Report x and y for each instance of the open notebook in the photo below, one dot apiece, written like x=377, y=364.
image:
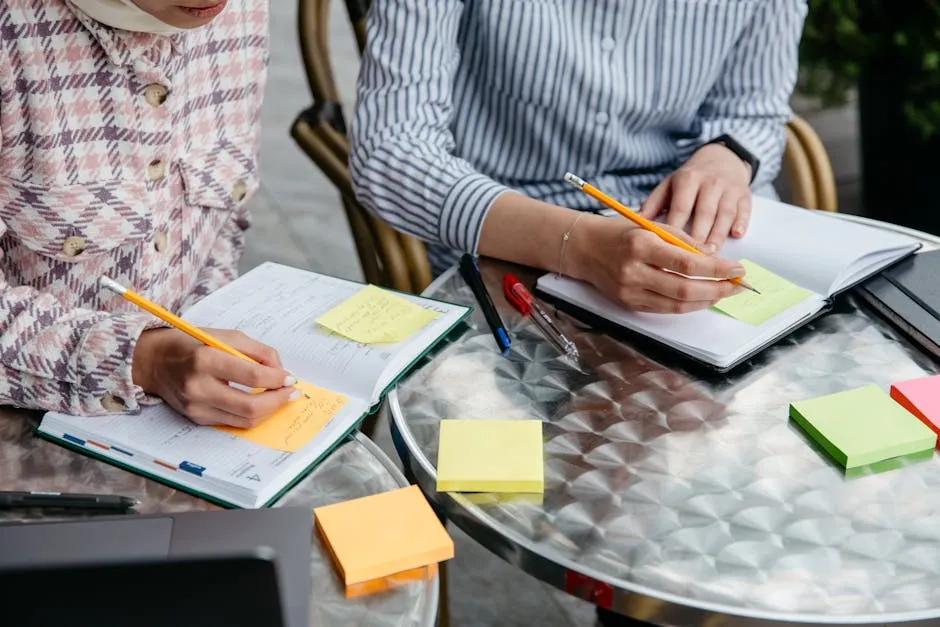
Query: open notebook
x=277, y=305
x=821, y=253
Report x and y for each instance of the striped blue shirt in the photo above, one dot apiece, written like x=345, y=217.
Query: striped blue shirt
x=459, y=101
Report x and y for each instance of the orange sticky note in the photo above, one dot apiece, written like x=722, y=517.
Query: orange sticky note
x=921, y=397
x=383, y=534
x=391, y=582
x=296, y=423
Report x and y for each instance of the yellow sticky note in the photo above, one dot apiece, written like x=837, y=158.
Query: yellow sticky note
x=776, y=295
x=376, y=316
x=383, y=534
x=490, y=456
x=296, y=423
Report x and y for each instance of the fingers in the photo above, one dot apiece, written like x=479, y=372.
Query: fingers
x=648, y=248
x=683, y=289
x=655, y=203
x=706, y=210
x=744, y=216
x=725, y=216
x=685, y=189
x=210, y=401
x=253, y=348
x=225, y=367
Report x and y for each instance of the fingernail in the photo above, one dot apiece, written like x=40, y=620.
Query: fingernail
x=709, y=248
x=289, y=380
x=738, y=230
x=295, y=395
x=736, y=272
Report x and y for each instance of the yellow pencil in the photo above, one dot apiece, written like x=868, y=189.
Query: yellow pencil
x=625, y=211
x=172, y=319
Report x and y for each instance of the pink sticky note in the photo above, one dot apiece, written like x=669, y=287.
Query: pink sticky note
x=921, y=397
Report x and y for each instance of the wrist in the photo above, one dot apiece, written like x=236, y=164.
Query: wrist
x=722, y=159
x=585, y=242
x=145, y=351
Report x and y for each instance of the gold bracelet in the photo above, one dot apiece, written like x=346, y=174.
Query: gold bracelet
x=564, y=242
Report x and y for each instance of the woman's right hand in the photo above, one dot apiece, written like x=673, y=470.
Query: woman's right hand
x=627, y=263
x=194, y=378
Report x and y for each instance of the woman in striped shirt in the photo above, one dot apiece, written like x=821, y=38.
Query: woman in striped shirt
x=470, y=112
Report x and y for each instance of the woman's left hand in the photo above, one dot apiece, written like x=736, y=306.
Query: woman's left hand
x=712, y=190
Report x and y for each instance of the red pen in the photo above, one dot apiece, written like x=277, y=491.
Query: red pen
x=522, y=299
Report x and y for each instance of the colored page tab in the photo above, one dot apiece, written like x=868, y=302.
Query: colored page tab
x=862, y=426
x=776, y=296
x=376, y=316
x=296, y=423
x=379, y=535
x=490, y=456
x=921, y=397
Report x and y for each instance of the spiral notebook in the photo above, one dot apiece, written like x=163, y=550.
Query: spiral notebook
x=279, y=306
x=818, y=252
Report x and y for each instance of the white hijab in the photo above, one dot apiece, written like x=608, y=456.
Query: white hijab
x=125, y=15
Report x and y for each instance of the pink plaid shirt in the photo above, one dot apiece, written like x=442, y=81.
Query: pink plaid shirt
x=121, y=154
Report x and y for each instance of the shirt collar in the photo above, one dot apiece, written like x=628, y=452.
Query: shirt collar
x=121, y=46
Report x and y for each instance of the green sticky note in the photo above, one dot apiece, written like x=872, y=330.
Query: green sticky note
x=776, y=295
x=862, y=426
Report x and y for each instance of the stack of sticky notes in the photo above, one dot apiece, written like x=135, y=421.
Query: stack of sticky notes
x=388, y=536
x=500, y=456
x=863, y=427
x=921, y=397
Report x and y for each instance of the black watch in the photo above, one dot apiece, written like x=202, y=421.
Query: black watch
x=732, y=144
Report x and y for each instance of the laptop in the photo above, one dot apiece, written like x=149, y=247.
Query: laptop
x=237, y=568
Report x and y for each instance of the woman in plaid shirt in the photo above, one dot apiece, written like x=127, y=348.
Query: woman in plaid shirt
x=129, y=133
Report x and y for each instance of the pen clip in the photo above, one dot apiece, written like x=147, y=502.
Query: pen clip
x=517, y=298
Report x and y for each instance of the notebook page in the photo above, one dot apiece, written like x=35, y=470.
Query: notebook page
x=160, y=435
x=707, y=334
x=810, y=248
x=278, y=305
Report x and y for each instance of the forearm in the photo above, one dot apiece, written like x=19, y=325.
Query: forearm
x=527, y=231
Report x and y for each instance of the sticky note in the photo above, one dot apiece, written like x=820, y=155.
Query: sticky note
x=490, y=456
x=862, y=426
x=921, y=397
x=425, y=573
x=376, y=316
x=776, y=296
x=383, y=534
x=296, y=423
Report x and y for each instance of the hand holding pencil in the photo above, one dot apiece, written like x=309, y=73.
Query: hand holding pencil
x=190, y=368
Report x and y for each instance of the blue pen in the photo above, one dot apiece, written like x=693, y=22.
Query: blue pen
x=470, y=272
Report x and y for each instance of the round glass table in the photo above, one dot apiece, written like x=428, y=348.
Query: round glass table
x=678, y=497
x=356, y=468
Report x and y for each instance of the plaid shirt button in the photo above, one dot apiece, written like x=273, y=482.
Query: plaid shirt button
x=73, y=246
x=156, y=170
x=155, y=94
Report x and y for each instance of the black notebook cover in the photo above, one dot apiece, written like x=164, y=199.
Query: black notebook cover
x=908, y=295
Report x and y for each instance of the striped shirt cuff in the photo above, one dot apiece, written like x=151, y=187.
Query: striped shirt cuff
x=464, y=210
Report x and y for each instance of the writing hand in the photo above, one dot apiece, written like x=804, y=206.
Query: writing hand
x=629, y=264
x=194, y=378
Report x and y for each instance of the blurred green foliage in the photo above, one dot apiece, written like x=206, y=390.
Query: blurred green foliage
x=838, y=39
